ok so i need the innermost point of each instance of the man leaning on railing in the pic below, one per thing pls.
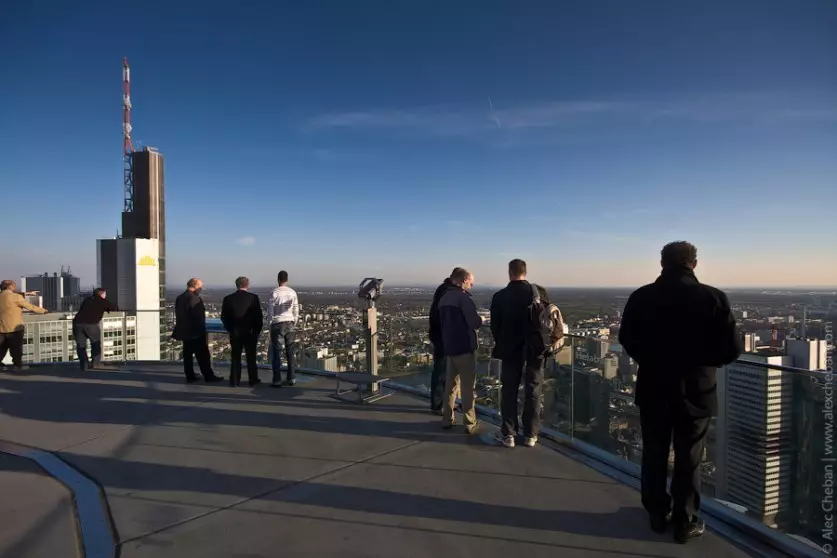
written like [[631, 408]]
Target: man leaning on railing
[[86, 326], [12, 305], [679, 332]]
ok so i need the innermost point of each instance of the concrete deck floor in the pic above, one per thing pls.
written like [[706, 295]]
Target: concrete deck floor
[[215, 471]]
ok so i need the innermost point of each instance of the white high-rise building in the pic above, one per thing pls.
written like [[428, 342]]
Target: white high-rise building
[[129, 269], [809, 354], [755, 430]]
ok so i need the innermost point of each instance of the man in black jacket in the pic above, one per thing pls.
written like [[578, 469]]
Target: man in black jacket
[[679, 332], [437, 377], [86, 327], [241, 314], [190, 328], [515, 345]]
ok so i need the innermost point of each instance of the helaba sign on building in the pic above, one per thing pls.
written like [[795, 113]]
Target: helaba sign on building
[[147, 260]]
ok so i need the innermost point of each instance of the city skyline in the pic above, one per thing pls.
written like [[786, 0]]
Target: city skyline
[[296, 133]]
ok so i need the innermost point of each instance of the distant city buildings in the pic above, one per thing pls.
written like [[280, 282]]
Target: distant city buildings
[[49, 338], [59, 292], [765, 414]]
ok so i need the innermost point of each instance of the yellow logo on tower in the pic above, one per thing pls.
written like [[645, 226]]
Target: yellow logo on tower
[[147, 260]]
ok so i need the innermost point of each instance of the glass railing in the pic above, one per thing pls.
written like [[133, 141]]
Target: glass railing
[[769, 458]]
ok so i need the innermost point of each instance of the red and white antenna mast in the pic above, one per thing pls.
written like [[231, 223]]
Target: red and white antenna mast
[[127, 144]]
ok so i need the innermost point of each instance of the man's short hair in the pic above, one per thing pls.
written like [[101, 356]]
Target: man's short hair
[[192, 283], [459, 276], [282, 277], [98, 291], [517, 268], [6, 285], [242, 283], [678, 254]]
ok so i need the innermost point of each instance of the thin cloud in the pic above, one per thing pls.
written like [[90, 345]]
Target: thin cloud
[[246, 241], [446, 122], [575, 116]]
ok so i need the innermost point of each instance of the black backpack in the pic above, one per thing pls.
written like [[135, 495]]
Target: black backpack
[[547, 324]]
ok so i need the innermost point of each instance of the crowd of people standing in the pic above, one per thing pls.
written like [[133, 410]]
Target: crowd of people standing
[[675, 389]]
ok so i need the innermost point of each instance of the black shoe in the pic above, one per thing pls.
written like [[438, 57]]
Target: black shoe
[[290, 383], [684, 532], [255, 382], [659, 523], [276, 384], [235, 384], [192, 380], [214, 379]]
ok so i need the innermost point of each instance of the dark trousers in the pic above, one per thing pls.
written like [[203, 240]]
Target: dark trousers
[[530, 371], [660, 425], [248, 343], [199, 349], [283, 340], [83, 333], [13, 343], [437, 377]]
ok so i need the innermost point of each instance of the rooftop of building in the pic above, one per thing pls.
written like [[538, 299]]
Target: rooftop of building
[[212, 470]]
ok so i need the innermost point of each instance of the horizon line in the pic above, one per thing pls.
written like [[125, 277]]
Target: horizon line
[[492, 286]]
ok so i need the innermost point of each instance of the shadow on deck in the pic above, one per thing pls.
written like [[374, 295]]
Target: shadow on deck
[[211, 470]]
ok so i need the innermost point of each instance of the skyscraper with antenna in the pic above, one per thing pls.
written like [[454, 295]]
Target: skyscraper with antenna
[[144, 210], [132, 266]]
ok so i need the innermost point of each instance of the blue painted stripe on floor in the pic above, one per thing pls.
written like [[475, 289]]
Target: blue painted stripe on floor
[[96, 533]]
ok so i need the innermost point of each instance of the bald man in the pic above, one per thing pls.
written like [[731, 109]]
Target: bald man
[[190, 328]]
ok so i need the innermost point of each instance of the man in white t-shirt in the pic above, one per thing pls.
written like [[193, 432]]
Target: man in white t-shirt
[[282, 315]]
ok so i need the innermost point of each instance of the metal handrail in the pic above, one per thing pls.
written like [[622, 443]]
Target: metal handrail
[[740, 360]]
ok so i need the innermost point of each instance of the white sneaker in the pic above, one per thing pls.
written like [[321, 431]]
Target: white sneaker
[[507, 441], [530, 442]]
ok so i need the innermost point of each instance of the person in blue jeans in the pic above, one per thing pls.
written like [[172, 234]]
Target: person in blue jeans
[[282, 316]]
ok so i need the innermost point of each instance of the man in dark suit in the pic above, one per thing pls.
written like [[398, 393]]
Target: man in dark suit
[[241, 314], [679, 332], [190, 328]]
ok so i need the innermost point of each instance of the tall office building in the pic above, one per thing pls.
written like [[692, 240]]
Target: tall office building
[[755, 426], [128, 268], [808, 354], [148, 218], [812, 432], [58, 291]]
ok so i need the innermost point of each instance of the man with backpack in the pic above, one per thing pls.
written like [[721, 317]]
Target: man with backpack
[[526, 329]]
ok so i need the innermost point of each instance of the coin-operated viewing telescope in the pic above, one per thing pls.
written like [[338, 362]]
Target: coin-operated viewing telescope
[[371, 289]]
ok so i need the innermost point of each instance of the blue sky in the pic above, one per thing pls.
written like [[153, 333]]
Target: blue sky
[[345, 139]]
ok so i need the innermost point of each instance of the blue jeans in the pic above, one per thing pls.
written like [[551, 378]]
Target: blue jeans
[[283, 340]]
